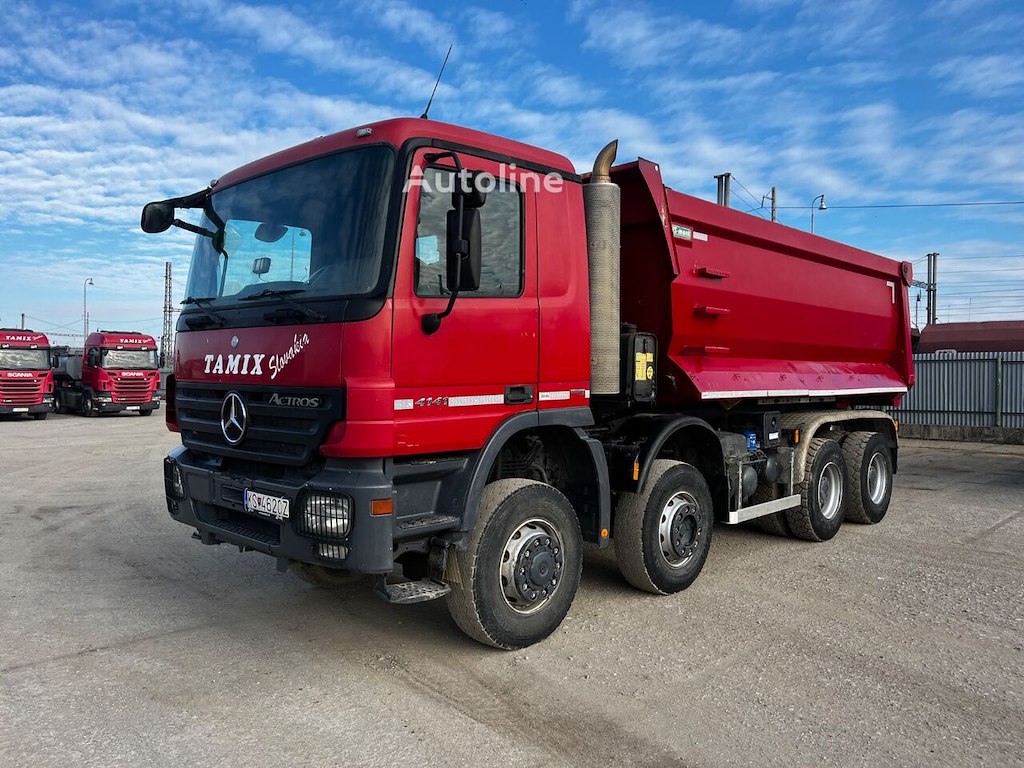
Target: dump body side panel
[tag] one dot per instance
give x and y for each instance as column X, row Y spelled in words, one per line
column 746, row 308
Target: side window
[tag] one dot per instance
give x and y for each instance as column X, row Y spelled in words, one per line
column 501, row 269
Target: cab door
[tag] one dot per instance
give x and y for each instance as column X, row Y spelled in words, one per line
column 455, row 386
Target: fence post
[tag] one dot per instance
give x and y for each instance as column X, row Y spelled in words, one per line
column 999, row 390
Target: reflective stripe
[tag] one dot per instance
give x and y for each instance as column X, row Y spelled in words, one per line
column 460, row 402
column 801, row 392
column 562, row 394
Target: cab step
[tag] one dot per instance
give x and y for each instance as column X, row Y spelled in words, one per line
column 408, row 592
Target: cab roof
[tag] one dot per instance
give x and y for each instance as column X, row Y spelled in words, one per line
column 396, row 132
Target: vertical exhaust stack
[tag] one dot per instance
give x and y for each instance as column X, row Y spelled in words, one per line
column 601, row 200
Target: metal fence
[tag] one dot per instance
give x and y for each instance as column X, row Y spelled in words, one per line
column 966, row 389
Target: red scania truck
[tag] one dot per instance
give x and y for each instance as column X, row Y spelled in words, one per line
column 116, row 371
column 445, row 358
column 26, row 378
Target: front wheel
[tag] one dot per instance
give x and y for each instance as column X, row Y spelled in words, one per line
column 146, row 412
column 663, row 533
column 869, row 484
column 521, row 568
column 823, row 497
column 41, row 415
column 88, row 406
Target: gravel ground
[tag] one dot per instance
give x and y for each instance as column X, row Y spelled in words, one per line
column 123, row 642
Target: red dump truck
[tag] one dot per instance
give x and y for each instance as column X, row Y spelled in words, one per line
column 26, row 378
column 445, row 358
column 116, row 371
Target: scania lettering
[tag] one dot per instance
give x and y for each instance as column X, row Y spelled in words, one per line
column 26, row 375
column 115, row 372
column 400, row 355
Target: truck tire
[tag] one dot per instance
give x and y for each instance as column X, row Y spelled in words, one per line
column 145, row 412
column 663, row 533
column 520, row 570
column 88, row 406
column 775, row 523
column 869, row 483
column 41, row 415
column 328, row 578
column 823, row 497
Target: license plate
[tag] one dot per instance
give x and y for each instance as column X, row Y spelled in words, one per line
column 131, row 408
column 19, row 410
column 265, row 504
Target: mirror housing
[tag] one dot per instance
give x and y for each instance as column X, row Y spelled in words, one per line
column 463, row 258
column 270, row 233
column 157, row 217
column 473, row 196
column 261, row 265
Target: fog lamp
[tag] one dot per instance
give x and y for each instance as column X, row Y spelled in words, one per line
column 331, row 551
column 174, row 482
column 325, row 516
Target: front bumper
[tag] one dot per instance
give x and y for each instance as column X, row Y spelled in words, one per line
column 213, row 505
column 104, row 404
column 44, row 407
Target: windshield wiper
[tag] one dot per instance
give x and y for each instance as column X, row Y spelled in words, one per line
column 203, row 303
column 285, row 296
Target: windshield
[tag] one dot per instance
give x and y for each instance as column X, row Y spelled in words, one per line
column 24, row 359
column 313, row 228
column 116, row 359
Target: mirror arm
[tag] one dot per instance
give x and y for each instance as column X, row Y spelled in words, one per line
column 192, row 228
column 432, row 322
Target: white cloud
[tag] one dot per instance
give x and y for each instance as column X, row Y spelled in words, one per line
column 983, row 77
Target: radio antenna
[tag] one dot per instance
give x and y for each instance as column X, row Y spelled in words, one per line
column 426, row 111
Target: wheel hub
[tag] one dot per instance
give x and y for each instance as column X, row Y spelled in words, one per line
column 680, row 528
column 531, row 567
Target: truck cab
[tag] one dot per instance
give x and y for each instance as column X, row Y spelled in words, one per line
column 116, row 371
column 26, row 378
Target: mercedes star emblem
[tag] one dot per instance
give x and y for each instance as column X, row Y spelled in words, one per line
column 233, row 418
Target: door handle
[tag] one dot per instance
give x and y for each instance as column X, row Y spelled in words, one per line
column 518, row 395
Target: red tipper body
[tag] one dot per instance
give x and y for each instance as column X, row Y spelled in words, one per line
column 745, row 308
column 26, row 378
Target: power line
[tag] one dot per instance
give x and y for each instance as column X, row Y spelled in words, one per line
column 912, row 205
column 758, row 206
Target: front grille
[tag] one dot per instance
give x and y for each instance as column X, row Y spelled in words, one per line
column 274, row 434
column 131, row 390
column 20, row 391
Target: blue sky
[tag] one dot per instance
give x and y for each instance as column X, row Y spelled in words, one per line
column 106, row 106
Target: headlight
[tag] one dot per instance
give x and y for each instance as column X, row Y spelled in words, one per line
column 325, row 516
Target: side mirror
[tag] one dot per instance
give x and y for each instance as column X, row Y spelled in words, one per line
column 261, row 265
column 463, row 258
column 94, row 358
column 157, row 217
column 473, row 195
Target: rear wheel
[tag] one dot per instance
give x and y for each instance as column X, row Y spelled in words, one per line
column 869, row 484
column 823, row 497
column 88, row 406
column 663, row 533
column 521, row 568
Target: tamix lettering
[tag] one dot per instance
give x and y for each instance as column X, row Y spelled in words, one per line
column 244, row 365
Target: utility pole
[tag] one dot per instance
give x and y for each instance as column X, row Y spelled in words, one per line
column 774, row 214
column 23, row 321
column 933, row 288
column 165, row 339
column 724, row 180
column 931, row 310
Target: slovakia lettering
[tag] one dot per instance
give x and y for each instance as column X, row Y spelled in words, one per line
column 278, row 362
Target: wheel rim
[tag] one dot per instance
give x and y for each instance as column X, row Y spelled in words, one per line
column 830, row 490
column 531, row 566
column 878, row 479
column 680, row 529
